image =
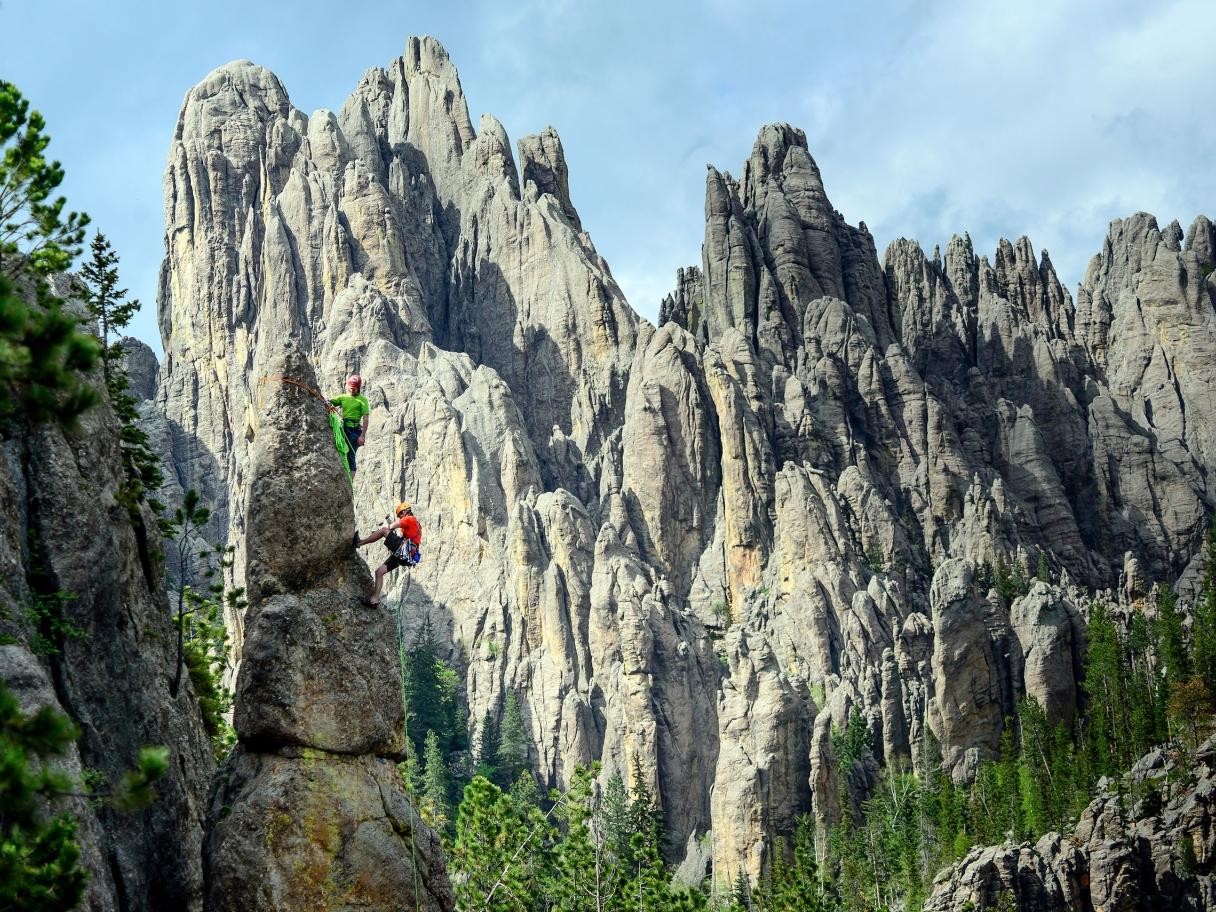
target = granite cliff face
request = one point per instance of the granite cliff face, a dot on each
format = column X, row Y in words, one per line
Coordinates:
column 693, row 546
column 85, row 628
column 310, row 812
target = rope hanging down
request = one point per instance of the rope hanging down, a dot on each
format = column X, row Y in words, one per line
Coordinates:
column 409, row 791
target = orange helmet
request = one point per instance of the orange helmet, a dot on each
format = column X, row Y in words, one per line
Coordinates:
column 402, row 507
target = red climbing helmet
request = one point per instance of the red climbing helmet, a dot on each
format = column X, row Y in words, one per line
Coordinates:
column 356, row 380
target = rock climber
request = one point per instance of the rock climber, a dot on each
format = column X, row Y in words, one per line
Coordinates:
column 355, row 410
column 402, row 538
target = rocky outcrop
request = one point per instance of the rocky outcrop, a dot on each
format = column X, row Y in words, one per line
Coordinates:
column 1149, row 852
column 310, row 810
column 83, row 607
column 139, row 364
column 697, row 548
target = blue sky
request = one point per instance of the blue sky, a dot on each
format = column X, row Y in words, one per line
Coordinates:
column 929, row 118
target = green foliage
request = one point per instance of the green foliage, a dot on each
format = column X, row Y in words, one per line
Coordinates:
column 183, row 529
column 39, row 856
column 137, row 791
column 47, row 612
column 202, row 637
column 513, row 742
column 1203, row 631
column 104, row 300
column 44, row 357
column 140, row 463
column 794, row 882
column 436, row 799
column 593, row 850
column 874, row 558
column 207, row 649
column 499, row 852
column 984, row 578
column 1010, row 584
column 916, row 822
column 35, row 234
column 431, row 696
column 849, row 746
column 1042, row 572
column 1190, row 705
column 486, row 760
column 1174, row 654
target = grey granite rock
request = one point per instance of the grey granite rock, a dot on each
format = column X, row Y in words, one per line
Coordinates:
column 1118, row 857
column 140, row 366
column 310, row 810
column 694, row 548
column 67, row 542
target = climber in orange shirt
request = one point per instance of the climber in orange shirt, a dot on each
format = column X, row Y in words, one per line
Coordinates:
column 403, row 539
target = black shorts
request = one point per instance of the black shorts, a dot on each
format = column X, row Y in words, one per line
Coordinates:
column 393, row 542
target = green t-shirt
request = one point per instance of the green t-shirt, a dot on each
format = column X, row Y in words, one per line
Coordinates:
column 353, row 407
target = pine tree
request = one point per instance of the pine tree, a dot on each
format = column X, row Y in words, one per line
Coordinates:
column 614, row 812
column 794, row 884
column 431, row 696
column 586, row 876
column 44, row 357
column 741, row 894
column 1204, row 629
column 1190, row 704
column 486, row 761
column 645, row 882
column 1042, row 572
column 1174, row 655
column 436, row 785
column 105, row 301
column 188, row 519
column 39, row 855
column 513, row 743
column 497, row 853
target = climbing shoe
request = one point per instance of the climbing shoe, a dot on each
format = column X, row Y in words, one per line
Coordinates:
column 355, row 540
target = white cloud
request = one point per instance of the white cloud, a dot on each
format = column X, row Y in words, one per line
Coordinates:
column 1046, row 118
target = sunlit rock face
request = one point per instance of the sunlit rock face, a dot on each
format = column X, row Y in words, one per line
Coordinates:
column 695, row 548
column 310, row 811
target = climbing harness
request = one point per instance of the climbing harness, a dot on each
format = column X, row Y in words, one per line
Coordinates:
column 335, row 423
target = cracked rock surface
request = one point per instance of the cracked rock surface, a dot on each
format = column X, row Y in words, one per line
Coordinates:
column 694, row 547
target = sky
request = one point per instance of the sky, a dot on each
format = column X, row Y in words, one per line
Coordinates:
column 927, row 118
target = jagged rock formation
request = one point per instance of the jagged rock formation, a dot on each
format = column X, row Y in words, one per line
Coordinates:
column 1129, row 850
column 310, row 812
column 703, row 544
column 139, row 364
column 86, row 629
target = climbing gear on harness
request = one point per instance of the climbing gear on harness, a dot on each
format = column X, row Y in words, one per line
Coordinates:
column 402, row 551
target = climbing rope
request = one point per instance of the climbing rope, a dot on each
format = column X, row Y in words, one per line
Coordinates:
column 304, row 386
column 405, row 707
column 335, row 426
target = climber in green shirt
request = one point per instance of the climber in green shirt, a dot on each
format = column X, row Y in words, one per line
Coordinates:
column 354, row 410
